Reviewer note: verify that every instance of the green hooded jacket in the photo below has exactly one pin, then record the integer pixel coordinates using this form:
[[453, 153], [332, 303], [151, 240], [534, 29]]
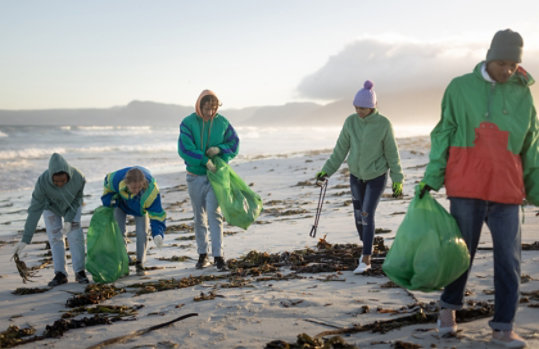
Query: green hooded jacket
[[197, 135], [372, 147], [64, 201], [486, 144]]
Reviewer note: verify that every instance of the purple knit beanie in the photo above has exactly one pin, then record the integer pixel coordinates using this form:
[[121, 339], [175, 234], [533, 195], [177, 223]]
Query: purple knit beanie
[[366, 97]]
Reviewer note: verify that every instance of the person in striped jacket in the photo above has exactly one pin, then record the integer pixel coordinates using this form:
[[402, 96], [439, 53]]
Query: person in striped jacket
[[133, 191]]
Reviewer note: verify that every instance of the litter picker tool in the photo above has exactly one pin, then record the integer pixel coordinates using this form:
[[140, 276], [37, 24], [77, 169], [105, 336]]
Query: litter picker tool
[[323, 188]]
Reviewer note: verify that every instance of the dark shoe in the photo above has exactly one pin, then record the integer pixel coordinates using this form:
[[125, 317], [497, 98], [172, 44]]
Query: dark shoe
[[221, 264], [203, 261], [81, 277], [59, 279], [140, 269]]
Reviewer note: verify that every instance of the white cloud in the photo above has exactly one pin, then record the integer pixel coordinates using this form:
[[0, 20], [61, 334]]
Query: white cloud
[[395, 66]]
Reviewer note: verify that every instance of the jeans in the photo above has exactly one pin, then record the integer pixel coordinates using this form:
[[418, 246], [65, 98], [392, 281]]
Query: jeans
[[504, 225], [141, 229], [207, 213], [365, 198], [75, 238]]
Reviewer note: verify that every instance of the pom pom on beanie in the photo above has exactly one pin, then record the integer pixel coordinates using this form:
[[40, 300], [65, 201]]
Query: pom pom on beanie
[[366, 97]]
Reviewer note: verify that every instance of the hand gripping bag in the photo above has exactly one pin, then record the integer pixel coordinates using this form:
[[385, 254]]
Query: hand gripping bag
[[428, 252], [106, 258], [240, 205]]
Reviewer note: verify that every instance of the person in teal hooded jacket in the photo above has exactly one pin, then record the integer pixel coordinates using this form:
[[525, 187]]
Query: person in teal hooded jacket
[[203, 135], [485, 150], [58, 194], [134, 191], [367, 138]]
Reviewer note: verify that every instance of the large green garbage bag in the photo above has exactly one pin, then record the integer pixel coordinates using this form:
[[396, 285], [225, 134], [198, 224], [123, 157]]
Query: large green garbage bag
[[106, 258], [428, 252], [239, 204]]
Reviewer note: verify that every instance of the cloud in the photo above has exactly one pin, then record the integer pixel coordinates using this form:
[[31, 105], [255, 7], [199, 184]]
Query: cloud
[[394, 66]]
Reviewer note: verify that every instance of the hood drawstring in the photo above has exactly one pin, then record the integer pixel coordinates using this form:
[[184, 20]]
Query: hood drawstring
[[202, 134]]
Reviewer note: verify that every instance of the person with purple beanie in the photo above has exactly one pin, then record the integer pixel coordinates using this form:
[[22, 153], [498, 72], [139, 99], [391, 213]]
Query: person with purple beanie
[[367, 139]]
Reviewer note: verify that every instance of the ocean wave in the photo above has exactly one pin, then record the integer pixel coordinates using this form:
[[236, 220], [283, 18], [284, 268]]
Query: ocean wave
[[2, 134], [40, 153]]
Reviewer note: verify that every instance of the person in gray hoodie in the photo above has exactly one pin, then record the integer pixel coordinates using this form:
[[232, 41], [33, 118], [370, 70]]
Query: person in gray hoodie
[[58, 194]]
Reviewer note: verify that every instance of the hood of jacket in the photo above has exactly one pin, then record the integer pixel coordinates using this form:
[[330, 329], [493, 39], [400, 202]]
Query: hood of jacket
[[198, 107], [58, 164]]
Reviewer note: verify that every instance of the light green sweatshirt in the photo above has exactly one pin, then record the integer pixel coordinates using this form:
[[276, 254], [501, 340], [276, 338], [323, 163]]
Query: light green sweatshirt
[[371, 146], [64, 201]]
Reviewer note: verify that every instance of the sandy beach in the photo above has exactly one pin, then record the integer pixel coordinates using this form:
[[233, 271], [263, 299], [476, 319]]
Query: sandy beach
[[282, 283]]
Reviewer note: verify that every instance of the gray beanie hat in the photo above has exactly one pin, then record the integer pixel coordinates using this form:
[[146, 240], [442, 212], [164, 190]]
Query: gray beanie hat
[[506, 45]]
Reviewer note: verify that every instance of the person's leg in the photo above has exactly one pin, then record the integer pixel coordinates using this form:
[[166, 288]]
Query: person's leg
[[120, 217], [53, 226], [215, 221], [373, 191], [196, 193], [357, 188], [503, 222], [75, 239], [470, 215], [141, 229]]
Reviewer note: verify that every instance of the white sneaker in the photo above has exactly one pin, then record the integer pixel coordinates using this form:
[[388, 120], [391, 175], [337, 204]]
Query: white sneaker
[[447, 323], [508, 339], [362, 267]]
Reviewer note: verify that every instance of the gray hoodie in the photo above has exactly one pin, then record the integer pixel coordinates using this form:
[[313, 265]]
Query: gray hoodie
[[64, 201]]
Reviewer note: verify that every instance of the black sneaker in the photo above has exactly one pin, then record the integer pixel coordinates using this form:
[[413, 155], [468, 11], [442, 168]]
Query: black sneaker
[[221, 264], [140, 269], [81, 277], [203, 261], [59, 279]]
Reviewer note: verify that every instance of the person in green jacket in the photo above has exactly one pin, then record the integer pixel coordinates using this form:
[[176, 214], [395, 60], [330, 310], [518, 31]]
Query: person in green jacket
[[485, 150], [58, 194], [204, 135], [367, 138]]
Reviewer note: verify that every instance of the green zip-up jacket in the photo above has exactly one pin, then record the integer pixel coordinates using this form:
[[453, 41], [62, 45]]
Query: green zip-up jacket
[[372, 148], [197, 135], [486, 144], [64, 201]]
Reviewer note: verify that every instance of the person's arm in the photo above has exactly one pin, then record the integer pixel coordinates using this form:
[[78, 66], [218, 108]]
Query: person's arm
[[440, 142], [530, 161], [76, 203], [157, 217], [230, 146], [391, 153], [187, 148], [339, 152], [110, 195], [37, 205]]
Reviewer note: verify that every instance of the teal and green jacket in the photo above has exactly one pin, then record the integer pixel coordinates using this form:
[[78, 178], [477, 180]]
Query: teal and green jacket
[[371, 148], [197, 135], [64, 201], [147, 201], [486, 144]]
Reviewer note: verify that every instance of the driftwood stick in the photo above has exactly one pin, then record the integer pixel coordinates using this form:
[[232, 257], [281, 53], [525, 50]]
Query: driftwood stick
[[123, 339]]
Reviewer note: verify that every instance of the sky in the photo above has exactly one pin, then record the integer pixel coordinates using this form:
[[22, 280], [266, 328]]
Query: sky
[[106, 53]]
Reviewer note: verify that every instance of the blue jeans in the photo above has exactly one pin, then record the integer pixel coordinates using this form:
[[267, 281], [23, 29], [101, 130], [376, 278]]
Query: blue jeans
[[141, 230], [365, 198], [75, 238], [504, 225], [207, 213]]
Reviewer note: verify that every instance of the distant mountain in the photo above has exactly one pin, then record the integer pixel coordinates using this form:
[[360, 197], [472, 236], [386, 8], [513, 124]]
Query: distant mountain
[[399, 108]]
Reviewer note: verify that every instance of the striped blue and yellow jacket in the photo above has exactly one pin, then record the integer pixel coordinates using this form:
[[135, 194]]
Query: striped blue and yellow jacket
[[147, 201]]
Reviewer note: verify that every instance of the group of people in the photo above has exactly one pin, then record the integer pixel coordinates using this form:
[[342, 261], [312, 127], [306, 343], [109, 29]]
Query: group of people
[[484, 150]]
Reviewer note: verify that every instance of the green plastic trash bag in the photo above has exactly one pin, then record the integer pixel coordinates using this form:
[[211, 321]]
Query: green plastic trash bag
[[106, 257], [239, 204], [428, 252]]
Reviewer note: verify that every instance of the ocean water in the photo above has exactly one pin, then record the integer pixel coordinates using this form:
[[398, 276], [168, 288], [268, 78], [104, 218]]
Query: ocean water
[[98, 150]]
